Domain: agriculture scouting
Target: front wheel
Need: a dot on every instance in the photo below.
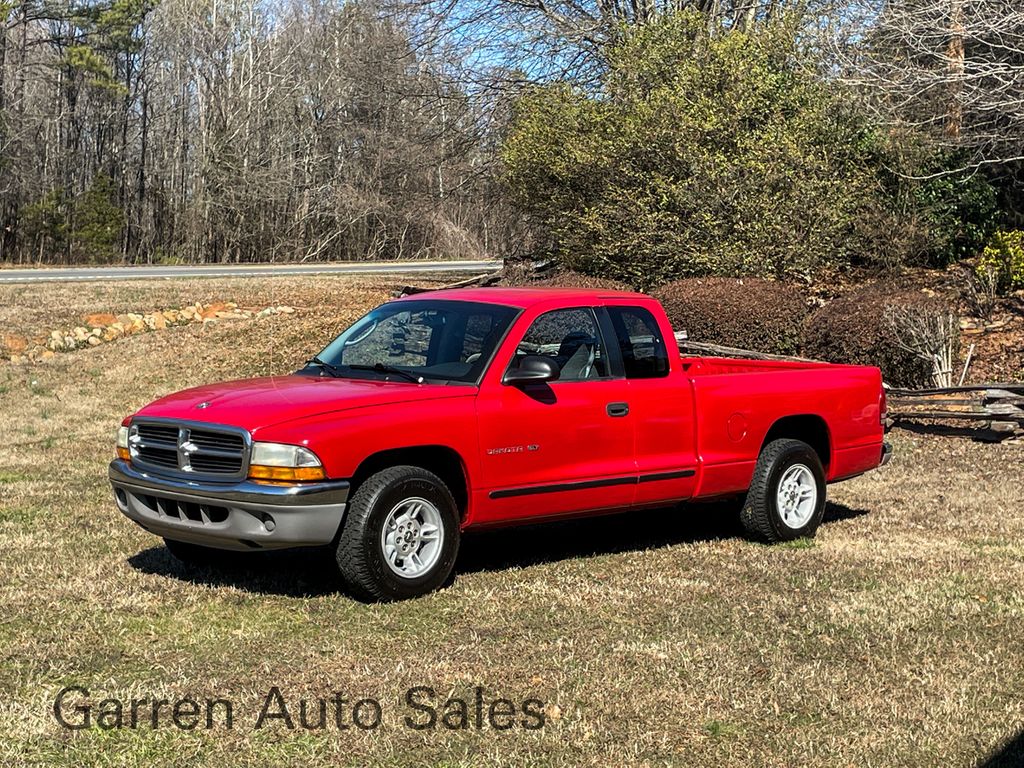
(400, 535)
(786, 499)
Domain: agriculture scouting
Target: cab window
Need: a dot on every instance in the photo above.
(570, 338)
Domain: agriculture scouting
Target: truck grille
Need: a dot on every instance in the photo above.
(189, 449)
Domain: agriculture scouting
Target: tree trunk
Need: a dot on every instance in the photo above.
(955, 63)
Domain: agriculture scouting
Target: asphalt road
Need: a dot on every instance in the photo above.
(75, 274)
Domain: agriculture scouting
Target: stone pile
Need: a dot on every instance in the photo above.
(102, 327)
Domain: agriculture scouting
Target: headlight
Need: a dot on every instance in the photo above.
(122, 444)
(288, 463)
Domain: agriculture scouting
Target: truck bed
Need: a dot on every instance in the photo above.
(739, 400)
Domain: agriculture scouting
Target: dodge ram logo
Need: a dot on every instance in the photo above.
(185, 450)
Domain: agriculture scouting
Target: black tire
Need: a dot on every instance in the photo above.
(760, 515)
(359, 553)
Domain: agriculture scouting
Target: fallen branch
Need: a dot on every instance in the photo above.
(957, 416)
(486, 279)
(720, 350)
(1010, 388)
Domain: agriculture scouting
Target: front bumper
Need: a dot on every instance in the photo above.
(239, 516)
(886, 454)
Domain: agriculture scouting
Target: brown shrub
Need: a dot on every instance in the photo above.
(563, 279)
(755, 314)
(855, 329)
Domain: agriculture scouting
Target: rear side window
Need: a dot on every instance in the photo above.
(644, 354)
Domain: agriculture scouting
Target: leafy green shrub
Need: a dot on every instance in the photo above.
(44, 223)
(760, 315)
(98, 222)
(960, 212)
(857, 328)
(1002, 262)
(699, 154)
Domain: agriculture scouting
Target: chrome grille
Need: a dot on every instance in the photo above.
(217, 441)
(189, 448)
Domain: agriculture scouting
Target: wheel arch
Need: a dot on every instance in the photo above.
(444, 461)
(809, 428)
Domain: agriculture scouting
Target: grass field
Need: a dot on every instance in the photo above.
(658, 638)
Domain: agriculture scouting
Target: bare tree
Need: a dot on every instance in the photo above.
(931, 334)
(530, 40)
(235, 130)
(954, 68)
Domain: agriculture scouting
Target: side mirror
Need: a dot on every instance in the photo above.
(532, 369)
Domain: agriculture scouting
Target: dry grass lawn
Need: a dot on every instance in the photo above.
(658, 638)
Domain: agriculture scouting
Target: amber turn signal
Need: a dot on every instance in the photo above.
(285, 474)
(121, 445)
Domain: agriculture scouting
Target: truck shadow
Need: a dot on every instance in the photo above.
(610, 534)
(1009, 755)
(310, 573)
(289, 573)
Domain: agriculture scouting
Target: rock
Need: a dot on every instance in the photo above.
(170, 315)
(15, 345)
(47, 355)
(80, 333)
(95, 341)
(100, 319)
(124, 320)
(17, 359)
(265, 312)
(159, 321)
(111, 333)
(69, 342)
(57, 336)
(286, 310)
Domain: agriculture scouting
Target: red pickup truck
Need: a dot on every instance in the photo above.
(465, 408)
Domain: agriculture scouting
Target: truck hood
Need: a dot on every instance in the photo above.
(255, 403)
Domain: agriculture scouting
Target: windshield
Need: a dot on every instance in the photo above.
(435, 340)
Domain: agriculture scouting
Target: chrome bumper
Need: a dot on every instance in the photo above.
(240, 516)
(886, 454)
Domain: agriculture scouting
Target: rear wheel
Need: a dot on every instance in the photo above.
(786, 499)
(400, 535)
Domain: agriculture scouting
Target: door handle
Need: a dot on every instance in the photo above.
(618, 409)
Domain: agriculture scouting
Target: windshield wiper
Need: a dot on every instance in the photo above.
(331, 369)
(382, 368)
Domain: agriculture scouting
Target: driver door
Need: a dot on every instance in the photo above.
(557, 447)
